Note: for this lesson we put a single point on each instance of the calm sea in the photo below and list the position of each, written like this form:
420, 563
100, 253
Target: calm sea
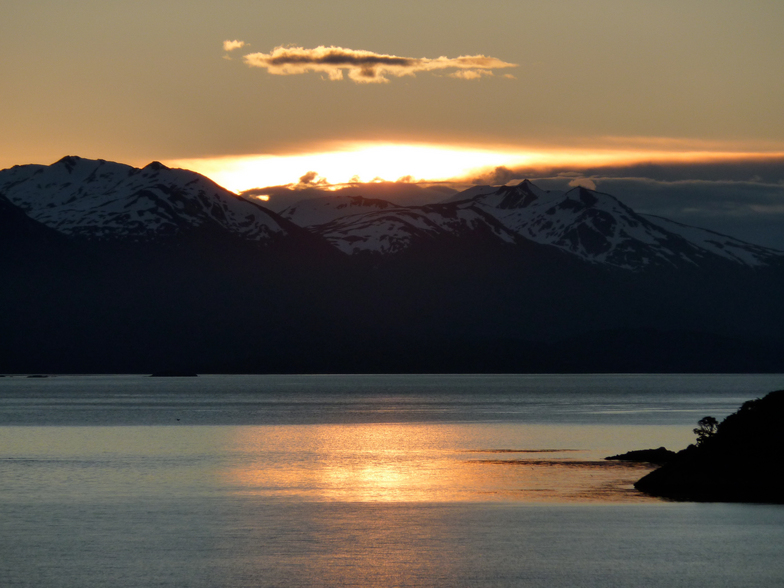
453, 481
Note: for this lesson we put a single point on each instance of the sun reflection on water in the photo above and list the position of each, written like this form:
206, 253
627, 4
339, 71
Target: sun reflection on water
416, 463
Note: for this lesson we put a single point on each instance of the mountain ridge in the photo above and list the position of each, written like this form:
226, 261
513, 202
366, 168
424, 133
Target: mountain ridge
106, 200
592, 225
453, 288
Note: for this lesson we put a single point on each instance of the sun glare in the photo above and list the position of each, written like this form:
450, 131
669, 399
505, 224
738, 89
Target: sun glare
421, 162
357, 162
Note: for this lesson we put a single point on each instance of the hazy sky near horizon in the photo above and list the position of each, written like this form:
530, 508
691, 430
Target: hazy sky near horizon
137, 81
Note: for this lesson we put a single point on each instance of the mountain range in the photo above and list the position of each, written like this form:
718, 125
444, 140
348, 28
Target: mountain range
111, 268
593, 226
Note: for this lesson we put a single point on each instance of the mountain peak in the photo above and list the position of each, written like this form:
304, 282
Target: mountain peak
505, 197
69, 162
584, 195
155, 165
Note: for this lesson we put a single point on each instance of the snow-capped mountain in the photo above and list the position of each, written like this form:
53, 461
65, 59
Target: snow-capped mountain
105, 200
359, 225
599, 228
591, 225
109, 201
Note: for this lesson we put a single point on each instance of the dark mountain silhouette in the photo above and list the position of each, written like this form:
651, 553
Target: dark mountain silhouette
108, 268
741, 462
16, 228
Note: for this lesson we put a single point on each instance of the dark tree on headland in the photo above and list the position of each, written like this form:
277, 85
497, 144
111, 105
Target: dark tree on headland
706, 428
738, 460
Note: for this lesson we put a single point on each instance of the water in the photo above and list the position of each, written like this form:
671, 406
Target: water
265, 400
365, 481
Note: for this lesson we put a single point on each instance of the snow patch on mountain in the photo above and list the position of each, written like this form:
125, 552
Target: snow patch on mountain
718, 244
317, 211
397, 229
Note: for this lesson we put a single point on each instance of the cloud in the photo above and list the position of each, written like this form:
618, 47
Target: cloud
743, 198
747, 210
308, 178
502, 175
471, 74
584, 183
367, 67
232, 45
402, 192
754, 170
312, 178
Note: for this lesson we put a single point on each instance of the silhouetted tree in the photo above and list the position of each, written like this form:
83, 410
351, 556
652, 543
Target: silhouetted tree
706, 428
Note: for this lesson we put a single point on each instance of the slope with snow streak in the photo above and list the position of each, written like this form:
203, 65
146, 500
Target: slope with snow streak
397, 229
599, 228
722, 245
318, 211
105, 200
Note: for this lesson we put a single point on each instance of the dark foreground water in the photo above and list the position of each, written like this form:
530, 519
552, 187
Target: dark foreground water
365, 481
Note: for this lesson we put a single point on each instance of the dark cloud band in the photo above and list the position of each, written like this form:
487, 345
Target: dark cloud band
743, 198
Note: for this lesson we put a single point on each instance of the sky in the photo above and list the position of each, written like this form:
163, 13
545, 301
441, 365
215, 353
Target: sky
678, 104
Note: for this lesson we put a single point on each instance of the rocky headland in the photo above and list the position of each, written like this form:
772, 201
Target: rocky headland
737, 460
658, 456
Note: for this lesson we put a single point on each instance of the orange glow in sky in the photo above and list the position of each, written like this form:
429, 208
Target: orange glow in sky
422, 162
357, 162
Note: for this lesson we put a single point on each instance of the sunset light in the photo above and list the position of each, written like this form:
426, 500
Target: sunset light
383, 294
354, 162
365, 161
